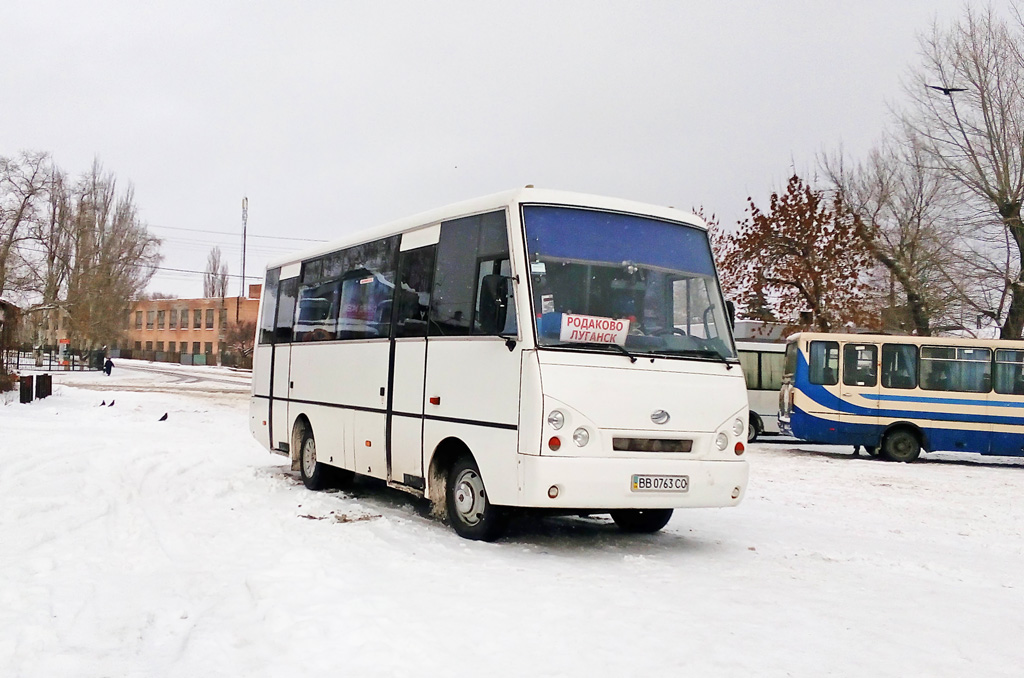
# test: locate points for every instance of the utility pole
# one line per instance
(245, 222)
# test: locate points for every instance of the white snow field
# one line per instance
(136, 547)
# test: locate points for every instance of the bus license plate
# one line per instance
(643, 483)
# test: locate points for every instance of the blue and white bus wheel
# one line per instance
(901, 445)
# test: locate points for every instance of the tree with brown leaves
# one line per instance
(801, 262)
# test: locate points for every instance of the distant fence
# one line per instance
(21, 360)
(49, 359)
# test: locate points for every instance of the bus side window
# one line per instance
(824, 363)
(268, 312)
(415, 267)
(899, 366)
(1009, 377)
(465, 299)
(859, 361)
(287, 293)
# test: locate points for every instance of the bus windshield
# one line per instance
(606, 280)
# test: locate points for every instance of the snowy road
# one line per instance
(134, 547)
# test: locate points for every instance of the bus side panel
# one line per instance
(494, 451)
(259, 403)
(531, 405)
(472, 393)
(350, 390)
(281, 424)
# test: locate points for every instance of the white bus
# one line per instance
(763, 363)
(533, 348)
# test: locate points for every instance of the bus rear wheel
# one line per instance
(641, 521)
(753, 428)
(314, 474)
(901, 445)
(470, 512)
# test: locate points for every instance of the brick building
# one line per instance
(189, 331)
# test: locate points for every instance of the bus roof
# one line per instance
(907, 339)
(484, 204)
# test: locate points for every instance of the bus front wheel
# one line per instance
(641, 521)
(470, 512)
(314, 474)
(901, 445)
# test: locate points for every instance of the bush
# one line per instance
(7, 381)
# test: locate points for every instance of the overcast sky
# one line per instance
(336, 116)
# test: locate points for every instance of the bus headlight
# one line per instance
(581, 437)
(737, 427)
(721, 441)
(556, 419)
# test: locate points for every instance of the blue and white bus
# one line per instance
(897, 396)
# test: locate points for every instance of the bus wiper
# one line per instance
(704, 353)
(591, 344)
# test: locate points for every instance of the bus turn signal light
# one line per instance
(739, 449)
(554, 443)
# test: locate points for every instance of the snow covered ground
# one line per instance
(131, 546)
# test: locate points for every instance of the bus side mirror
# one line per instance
(730, 308)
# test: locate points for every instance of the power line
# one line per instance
(204, 230)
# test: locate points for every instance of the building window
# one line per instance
(208, 346)
(195, 346)
(160, 346)
(209, 318)
(138, 320)
(149, 345)
(197, 318)
(184, 318)
(138, 345)
(223, 319)
(172, 320)
(150, 319)
(222, 348)
(160, 316)
(173, 345)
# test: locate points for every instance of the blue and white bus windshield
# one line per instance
(603, 278)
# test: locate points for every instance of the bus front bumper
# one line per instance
(603, 483)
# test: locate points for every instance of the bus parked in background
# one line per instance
(898, 396)
(529, 349)
(762, 363)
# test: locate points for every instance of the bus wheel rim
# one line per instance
(309, 457)
(469, 497)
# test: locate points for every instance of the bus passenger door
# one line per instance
(280, 382)
(858, 418)
(411, 308)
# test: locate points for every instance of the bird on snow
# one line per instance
(163, 418)
(104, 402)
(111, 404)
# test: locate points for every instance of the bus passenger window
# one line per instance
(268, 312)
(287, 293)
(824, 363)
(899, 366)
(859, 361)
(415, 268)
(1009, 378)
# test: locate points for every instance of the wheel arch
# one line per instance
(441, 461)
(917, 431)
(300, 425)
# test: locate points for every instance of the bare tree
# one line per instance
(23, 185)
(902, 211)
(113, 259)
(215, 279)
(967, 106)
